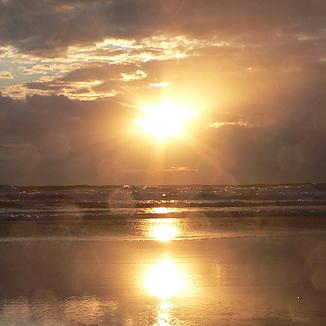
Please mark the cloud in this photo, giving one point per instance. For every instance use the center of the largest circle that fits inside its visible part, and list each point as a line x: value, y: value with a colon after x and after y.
x: 74, y: 73
x: 93, y: 81
x: 48, y: 29
x: 235, y: 123
x: 6, y: 75
x: 58, y: 132
x: 40, y: 69
x: 161, y: 84
x: 57, y: 140
x: 181, y: 42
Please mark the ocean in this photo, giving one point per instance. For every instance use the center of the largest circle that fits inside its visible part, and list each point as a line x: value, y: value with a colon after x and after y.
x: 204, y: 211
x: 163, y: 255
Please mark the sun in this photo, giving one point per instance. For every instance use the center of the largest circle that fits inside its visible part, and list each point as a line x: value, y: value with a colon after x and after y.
x: 164, y: 120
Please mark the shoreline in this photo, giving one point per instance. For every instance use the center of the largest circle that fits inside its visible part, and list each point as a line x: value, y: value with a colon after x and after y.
x: 261, y: 281
x: 191, y: 227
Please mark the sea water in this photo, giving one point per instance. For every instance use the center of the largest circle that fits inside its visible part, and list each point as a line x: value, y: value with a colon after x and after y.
x: 149, y: 255
x: 128, y: 212
x: 109, y: 201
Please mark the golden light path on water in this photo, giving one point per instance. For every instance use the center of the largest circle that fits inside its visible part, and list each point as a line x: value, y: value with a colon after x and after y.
x: 166, y: 278
x: 163, y: 229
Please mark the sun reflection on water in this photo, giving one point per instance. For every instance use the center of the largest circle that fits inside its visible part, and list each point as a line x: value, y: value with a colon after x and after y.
x: 164, y: 229
x: 164, y: 314
x: 163, y: 210
x: 165, y: 279
x: 164, y: 232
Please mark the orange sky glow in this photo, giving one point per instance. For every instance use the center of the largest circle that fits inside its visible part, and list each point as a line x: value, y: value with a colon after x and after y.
x: 162, y: 92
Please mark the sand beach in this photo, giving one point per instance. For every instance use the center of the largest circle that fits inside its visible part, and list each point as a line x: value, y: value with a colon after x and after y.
x: 259, y: 279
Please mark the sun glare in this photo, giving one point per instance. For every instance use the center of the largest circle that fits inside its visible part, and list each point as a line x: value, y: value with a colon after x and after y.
x: 166, y: 279
x: 164, y: 230
x: 164, y: 120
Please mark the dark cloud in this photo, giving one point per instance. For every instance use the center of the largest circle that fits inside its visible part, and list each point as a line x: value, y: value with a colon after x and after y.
x: 59, y: 133
x: 104, y: 79
x: 42, y: 86
x: 55, y: 140
x: 47, y: 28
x: 253, y: 69
x: 252, y: 18
x: 99, y: 71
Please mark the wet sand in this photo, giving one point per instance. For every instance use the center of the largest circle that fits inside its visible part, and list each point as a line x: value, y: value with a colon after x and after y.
x: 254, y: 280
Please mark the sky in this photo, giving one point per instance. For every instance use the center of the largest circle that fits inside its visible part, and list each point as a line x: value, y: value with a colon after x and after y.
x: 78, y: 78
